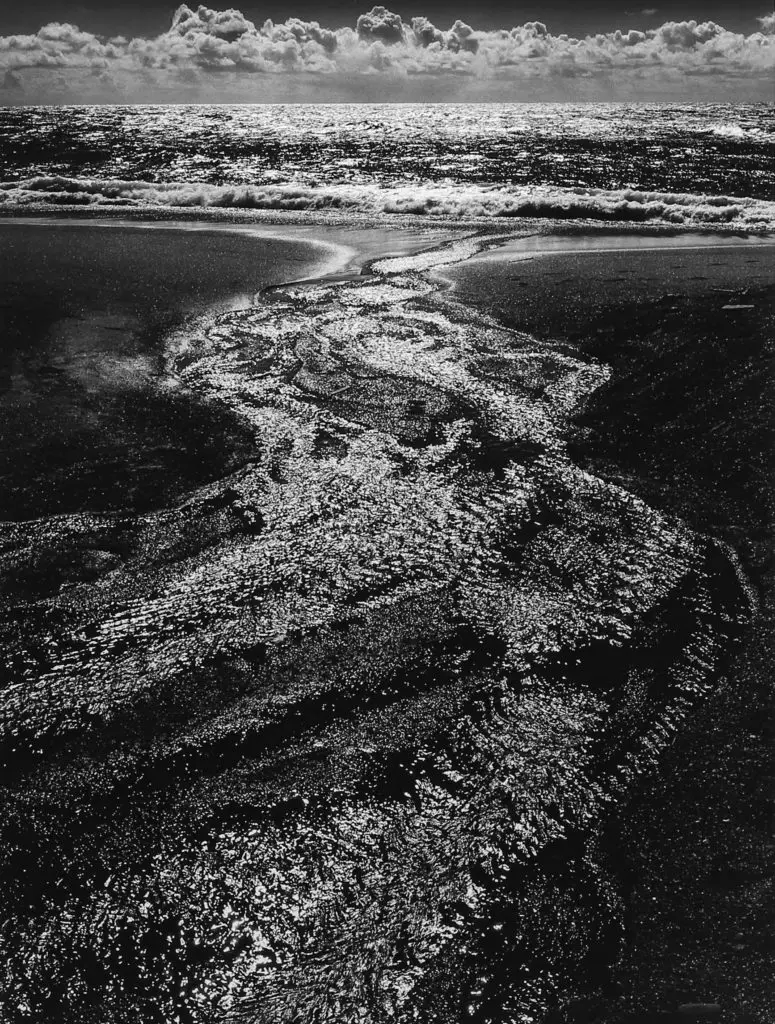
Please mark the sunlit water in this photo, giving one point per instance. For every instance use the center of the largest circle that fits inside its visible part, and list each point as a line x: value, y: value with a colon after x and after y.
x: 703, y: 164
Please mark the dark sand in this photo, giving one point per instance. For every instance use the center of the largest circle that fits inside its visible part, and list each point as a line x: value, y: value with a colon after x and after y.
x: 574, y: 294
x: 85, y: 308
x: 687, y: 417
x: 687, y: 423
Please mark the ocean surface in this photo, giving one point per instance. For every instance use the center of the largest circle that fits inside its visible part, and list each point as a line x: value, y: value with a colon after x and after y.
x: 330, y: 723
x: 709, y: 164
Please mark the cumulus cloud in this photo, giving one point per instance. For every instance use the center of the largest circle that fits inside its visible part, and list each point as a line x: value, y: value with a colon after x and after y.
x: 229, y: 25
x: 205, y: 48
x: 58, y: 45
x: 462, y: 37
x: 425, y: 33
x: 382, y: 24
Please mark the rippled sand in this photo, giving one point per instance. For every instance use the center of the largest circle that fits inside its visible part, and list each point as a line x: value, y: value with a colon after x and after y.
x: 332, y: 738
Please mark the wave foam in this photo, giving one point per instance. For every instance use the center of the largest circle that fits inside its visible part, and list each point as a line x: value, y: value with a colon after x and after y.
x: 737, y: 131
x: 443, y: 201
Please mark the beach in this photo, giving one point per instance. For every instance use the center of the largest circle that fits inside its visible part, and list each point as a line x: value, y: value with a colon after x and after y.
x: 685, y: 332
x: 686, y: 422
x: 349, y: 686
x: 86, y: 307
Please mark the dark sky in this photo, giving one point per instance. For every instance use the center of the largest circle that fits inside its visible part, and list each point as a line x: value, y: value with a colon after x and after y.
x: 576, y: 17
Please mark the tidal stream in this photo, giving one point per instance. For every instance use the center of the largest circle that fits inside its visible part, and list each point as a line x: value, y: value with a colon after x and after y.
x: 331, y: 737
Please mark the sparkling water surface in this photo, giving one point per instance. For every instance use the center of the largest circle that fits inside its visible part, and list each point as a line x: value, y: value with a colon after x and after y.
x: 450, y: 160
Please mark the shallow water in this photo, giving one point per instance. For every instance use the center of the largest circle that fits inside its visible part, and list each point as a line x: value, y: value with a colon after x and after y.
x: 84, y: 400
x: 627, y: 241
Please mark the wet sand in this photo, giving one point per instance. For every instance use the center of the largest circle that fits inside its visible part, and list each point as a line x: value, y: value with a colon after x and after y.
x: 87, y: 419
x: 687, y: 333
x: 572, y: 294
x: 687, y: 423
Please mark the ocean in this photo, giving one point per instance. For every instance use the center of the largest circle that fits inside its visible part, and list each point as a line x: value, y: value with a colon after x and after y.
x: 708, y: 164
x: 355, y: 594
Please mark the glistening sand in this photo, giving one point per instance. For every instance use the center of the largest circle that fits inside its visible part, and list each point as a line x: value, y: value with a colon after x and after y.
x: 86, y: 418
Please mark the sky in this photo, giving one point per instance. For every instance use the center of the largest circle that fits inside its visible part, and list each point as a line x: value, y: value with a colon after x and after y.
x: 460, y: 50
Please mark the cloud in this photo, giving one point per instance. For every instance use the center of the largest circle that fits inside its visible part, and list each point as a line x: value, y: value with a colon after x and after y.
x: 12, y: 82
x: 229, y: 25
x: 381, y: 24
x: 222, y: 51
x: 57, y: 45
x: 462, y: 37
x: 425, y: 33
x: 686, y: 35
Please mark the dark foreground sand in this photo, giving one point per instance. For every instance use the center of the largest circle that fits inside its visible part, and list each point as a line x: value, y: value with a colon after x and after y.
x: 688, y: 334
x: 686, y: 422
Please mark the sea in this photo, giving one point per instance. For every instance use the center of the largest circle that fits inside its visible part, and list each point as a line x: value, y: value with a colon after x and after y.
x: 364, y: 551
x: 705, y: 164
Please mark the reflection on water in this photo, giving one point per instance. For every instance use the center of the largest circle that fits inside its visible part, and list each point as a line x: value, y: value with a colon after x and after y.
x: 542, y: 244
x: 84, y: 418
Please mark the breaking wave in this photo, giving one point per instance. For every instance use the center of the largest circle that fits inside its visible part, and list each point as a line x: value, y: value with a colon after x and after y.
x: 444, y: 201
x: 737, y: 131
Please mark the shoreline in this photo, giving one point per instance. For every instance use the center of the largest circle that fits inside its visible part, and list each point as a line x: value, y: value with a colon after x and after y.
x: 519, y: 242
x: 632, y: 241
x: 351, y: 244
x: 332, y: 218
